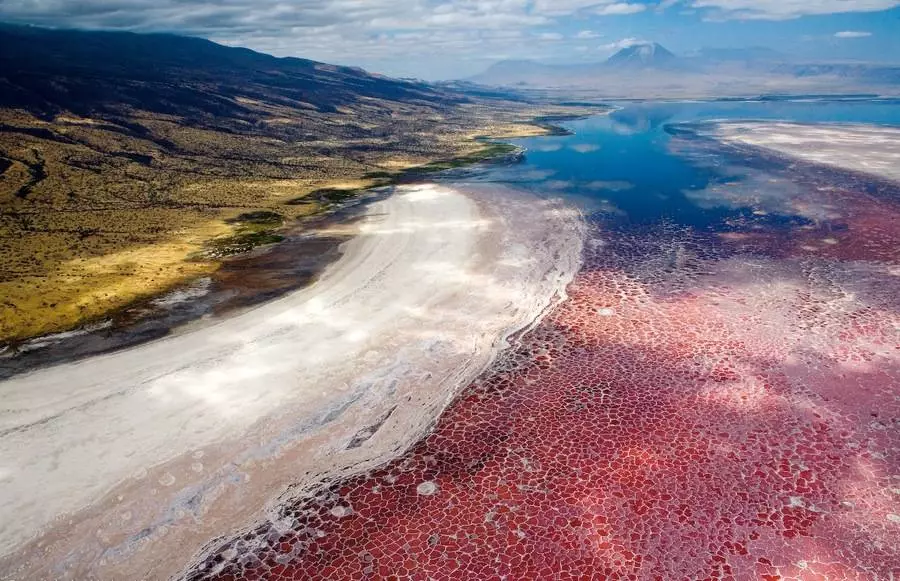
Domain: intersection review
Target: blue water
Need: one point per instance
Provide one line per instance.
(626, 168)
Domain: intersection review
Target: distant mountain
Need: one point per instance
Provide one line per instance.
(885, 74)
(503, 71)
(642, 56)
(517, 72)
(527, 72)
(748, 54)
(649, 70)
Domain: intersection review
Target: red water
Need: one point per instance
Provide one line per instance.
(693, 411)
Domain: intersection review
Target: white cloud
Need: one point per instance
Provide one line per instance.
(666, 4)
(624, 43)
(405, 37)
(435, 38)
(852, 34)
(401, 37)
(565, 7)
(787, 9)
(620, 8)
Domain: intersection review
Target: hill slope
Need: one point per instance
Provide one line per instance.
(86, 72)
(130, 163)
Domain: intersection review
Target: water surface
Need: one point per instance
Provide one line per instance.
(625, 161)
(717, 399)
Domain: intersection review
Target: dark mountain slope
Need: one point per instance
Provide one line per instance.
(47, 71)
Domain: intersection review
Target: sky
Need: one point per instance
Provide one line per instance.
(450, 39)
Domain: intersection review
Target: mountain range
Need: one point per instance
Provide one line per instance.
(650, 70)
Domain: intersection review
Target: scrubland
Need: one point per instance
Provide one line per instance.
(97, 212)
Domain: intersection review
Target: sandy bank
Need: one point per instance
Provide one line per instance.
(123, 466)
(863, 148)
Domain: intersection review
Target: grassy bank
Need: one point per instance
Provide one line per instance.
(95, 216)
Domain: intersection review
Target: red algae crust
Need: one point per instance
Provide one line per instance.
(691, 412)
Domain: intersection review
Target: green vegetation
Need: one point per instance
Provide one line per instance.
(260, 218)
(252, 229)
(329, 196)
(488, 152)
(239, 243)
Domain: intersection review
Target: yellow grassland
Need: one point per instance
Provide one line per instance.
(94, 216)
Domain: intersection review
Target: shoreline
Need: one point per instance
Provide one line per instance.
(750, 342)
(856, 148)
(425, 297)
(275, 270)
(308, 247)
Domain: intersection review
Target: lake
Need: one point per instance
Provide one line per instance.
(716, 398)
(625, 161)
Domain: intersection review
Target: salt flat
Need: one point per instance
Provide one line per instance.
(122, 466)
(865, 148)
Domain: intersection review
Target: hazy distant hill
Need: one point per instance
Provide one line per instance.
(527, 72)
(748, 54)
(642, 58)
(650, 70)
